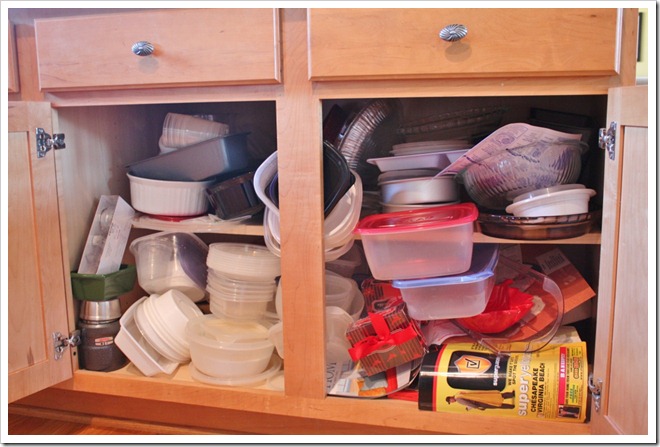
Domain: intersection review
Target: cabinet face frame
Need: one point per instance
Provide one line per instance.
(90, 384)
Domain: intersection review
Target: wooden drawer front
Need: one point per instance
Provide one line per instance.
(192, 47)
(405, 43)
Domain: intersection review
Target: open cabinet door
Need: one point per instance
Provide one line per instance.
(36, 307)
(621, 362)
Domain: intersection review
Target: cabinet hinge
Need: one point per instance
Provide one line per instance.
(45, 142)
(607, 139)
(60, 342)
(595, 389)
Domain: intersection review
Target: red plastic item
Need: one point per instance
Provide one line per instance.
(506, 306)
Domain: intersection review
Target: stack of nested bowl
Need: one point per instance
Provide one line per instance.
(409, 178)
(241, 280)
(230, 352)
(342, 204)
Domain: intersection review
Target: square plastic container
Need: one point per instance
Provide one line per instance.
(453, 296)
(420, 243)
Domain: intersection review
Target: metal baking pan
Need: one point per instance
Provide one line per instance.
(221, 156)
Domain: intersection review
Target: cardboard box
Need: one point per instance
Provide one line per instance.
(554, 264)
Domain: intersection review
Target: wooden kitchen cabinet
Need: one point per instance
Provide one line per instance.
(406, 43)
(13, 83)
(159, 48)
(296, 116)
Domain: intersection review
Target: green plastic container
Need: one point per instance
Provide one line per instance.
(90, 287)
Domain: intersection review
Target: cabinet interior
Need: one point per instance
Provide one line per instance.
(102, 140)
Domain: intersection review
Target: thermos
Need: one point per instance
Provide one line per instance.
(99, 325)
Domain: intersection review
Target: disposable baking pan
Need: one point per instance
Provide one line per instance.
(221, 156)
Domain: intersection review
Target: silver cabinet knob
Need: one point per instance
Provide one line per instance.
(453, 32)
(142, 48)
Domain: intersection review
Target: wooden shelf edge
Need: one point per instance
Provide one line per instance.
(389, 413)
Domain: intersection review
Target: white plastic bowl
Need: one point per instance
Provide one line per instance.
(169, 198)
(169, 314)
(557, 202)
(420, 190)
(243, 261)
(181, 130)
(225, 348)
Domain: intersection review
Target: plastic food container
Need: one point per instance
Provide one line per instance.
(420, 190)
(454, 296)
(539, 325)
(242, 261)
(171, 260)
(418, 244)
(241, 300)
(394, 207)
(235, 197)
(559, 200)
(162, 320)
(226, 155)
(169, 198)
(137, 349)
(225, 348)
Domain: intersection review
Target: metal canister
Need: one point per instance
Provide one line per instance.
(99, 325)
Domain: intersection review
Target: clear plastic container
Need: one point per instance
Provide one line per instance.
(418, 244)
(453, 296)
(228, 349)
(171, 260)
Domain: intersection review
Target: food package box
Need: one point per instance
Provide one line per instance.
(550, 384)
(106, 241)
(553, 263)
(385, 339)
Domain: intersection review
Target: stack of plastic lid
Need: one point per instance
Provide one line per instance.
(152, 333)
(339, 222)
(241, 280)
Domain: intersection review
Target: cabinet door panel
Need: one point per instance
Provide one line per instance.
(191, 47)
(621, 357)
(36, 286)
(405, 43)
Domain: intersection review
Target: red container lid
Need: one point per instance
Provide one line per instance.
(415, 220)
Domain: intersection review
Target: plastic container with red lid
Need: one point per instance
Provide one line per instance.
(421, 243)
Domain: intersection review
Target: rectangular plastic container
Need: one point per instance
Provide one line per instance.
(226, 155)
(455, 296)
(422, 243)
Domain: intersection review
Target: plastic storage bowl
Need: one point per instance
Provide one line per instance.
(243, 261)
(454, 296)
(169, 198)
(181, 130)
(171, 260)
(225, 348)
(241, 300)
(420, 190)
(417, 244)
(560, 200)
(492, 182)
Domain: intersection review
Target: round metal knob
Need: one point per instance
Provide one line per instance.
(453, 32)
(142, 48)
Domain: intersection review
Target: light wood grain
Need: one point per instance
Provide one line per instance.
(403, 43)
(192, 46)
(303, 408)
(621, 358)
(13, 82)
(37, 289)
